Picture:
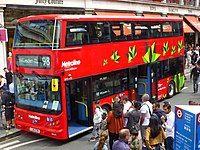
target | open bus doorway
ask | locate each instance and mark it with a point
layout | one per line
(79, 106)
(147, 81)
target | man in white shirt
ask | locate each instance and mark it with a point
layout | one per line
(146, 110)
(169, 126)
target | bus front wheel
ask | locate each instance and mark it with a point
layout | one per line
(171, 89)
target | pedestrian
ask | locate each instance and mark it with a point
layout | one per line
(97, 122)
(127, 108)
(155, 135)
(122, 142)
(158, 112)
(134, 140)
(101, 144)
(194, 77)
(3, 83)
(115, 122)
(118, 100)
(9, 110)
(8, 76)
(11, 90)
(133, 116)
(192, 103)
(1, 109)
(168, 125)
(146, 110)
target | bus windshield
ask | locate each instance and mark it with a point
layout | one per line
(34, 92)
(37, 34)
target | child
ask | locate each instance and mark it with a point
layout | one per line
(101, 144)
(97, 121)
(134, 141)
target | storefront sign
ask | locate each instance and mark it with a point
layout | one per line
(49, 2)
(3, 35)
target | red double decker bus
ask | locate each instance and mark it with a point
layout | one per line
(64, 63)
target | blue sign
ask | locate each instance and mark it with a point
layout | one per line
(187, 123)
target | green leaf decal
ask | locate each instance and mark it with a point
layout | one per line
(180, 46)
(105, 62)
(173, 50)
(165, 48)
(115, 57)
(132, 53)
(151, 55)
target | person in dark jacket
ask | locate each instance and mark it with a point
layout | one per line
(122, 143)
(9, 76)
(158, 112)
(9, 110)
(194, 76)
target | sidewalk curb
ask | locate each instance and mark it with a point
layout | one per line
(11, 135)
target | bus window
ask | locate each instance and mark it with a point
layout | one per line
(142, 71)
(37, 34)
(120, 81)
(103, 32)
(77, 33)
(159, 70)
(102, 86)
(167, 29)
(34, 93)
(141, 30)
(155, 30)
(177, 28)
(120, 31)
(133, 77)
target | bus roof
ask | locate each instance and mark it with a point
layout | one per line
(96, 18)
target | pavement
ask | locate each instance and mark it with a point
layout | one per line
(6, 134)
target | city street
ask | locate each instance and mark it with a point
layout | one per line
(35, 142)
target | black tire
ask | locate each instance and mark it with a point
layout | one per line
(171, 89)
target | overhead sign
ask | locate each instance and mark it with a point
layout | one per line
(3, 35)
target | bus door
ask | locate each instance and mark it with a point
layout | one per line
(79, 106)
(147, 81)
(133, 83)
(142, 83)
(154, 80)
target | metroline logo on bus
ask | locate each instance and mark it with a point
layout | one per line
(68, 64)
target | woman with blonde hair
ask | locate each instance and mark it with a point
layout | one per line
(101, 144)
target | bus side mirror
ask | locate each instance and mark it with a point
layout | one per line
(54, 85)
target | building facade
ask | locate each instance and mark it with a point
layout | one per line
(12, 10)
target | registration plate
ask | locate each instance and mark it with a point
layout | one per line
(34, 130)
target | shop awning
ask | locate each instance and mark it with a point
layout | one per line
(114, 14)
(186, 27)
(194, 21)
(151, 15)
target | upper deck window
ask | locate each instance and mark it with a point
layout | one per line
(37, 34)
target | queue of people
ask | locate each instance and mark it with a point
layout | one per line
(7, 100)
(145, 122)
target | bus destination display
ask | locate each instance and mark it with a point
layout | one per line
(33, 61)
